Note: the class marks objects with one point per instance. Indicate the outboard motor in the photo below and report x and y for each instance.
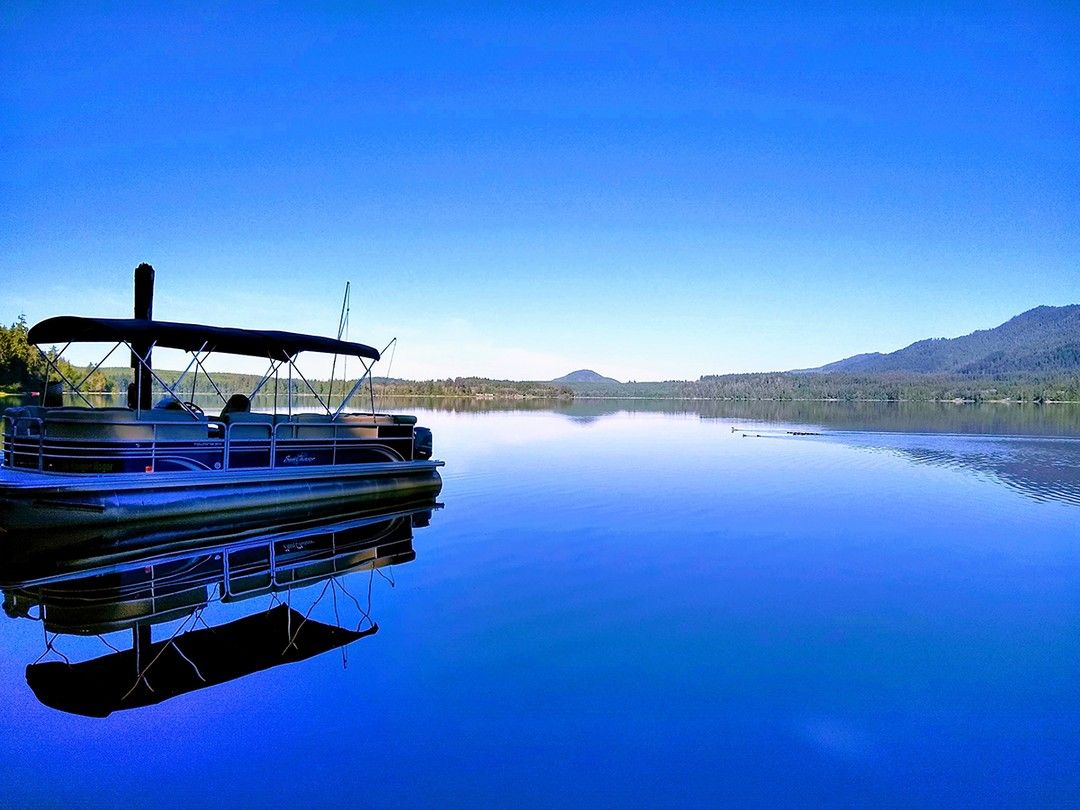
(422, 444)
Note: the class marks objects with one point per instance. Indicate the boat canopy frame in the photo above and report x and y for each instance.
(280, 348)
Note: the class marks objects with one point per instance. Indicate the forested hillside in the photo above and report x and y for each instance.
(243, 383)
(781, 386)
(1044, 340)
(1032, 358)
(584, 375)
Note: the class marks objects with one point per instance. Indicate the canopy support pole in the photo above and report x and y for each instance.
(371, 393)
(209, 377)
(354, 389)
(56, 367)
(167, 387)
(266, 377)
(100, 363)
(386, 376)
(194, 356)
(144, 310)
(312, 390)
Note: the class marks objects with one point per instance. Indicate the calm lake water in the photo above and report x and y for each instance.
(641, 604)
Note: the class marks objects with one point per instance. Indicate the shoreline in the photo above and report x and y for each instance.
(494, 398)
(532, 398)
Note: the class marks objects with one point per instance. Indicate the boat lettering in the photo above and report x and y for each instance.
(299, 458)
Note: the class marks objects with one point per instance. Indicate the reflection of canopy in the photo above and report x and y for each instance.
(135, 582)
(98, 687)
(192, 337)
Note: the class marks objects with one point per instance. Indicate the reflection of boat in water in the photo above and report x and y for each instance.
(159, 582)
(74, 465)
(151, 673)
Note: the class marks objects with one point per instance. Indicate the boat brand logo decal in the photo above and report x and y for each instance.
(299, 458)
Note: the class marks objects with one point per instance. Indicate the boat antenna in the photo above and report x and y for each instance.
(392, 346)
(342, 329)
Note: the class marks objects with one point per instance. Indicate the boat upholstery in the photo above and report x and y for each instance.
(122, 424)
(249, 425)
(176, 425)
(352, 425)
(380, 418)
(311, 426)
(22, 421)
(237, 403)
(98, 424)
(358, 425)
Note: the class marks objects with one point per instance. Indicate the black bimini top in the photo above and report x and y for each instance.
(191, 337)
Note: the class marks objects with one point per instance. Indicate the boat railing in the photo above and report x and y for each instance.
(14, 442)
(21, 431)
(315, 434)
(26, 437)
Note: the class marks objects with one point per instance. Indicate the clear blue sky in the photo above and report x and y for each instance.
(518, 193)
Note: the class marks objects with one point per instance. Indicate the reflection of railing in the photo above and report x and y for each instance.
(285, 562)
(173, 550)
(30, 441)
(171, 580)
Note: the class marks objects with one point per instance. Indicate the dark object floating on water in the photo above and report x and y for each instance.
(85, 465)
(747, 433)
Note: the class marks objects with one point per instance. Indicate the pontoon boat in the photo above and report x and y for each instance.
(77, 465)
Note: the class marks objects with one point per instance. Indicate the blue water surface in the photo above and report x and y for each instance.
(645, 608)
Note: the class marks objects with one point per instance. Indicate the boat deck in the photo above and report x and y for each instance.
(23, 480)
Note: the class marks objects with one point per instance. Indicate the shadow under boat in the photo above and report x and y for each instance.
(160, 581)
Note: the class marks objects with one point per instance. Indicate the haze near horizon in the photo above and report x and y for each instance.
(517, 195)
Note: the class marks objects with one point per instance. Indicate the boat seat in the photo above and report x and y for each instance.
(249, 425)
(359, 425)
(176, 425)
(168, 403)
(346, 425)
(25, 411)
(21, 420)
(237, 403)
(98, 424)
(403, 419)
(312, 426)
(380, 418)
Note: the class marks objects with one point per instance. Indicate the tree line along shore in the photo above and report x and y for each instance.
(22, 370)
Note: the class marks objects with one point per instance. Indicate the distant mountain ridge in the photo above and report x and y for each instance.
(1043, 339)
(585, 375)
